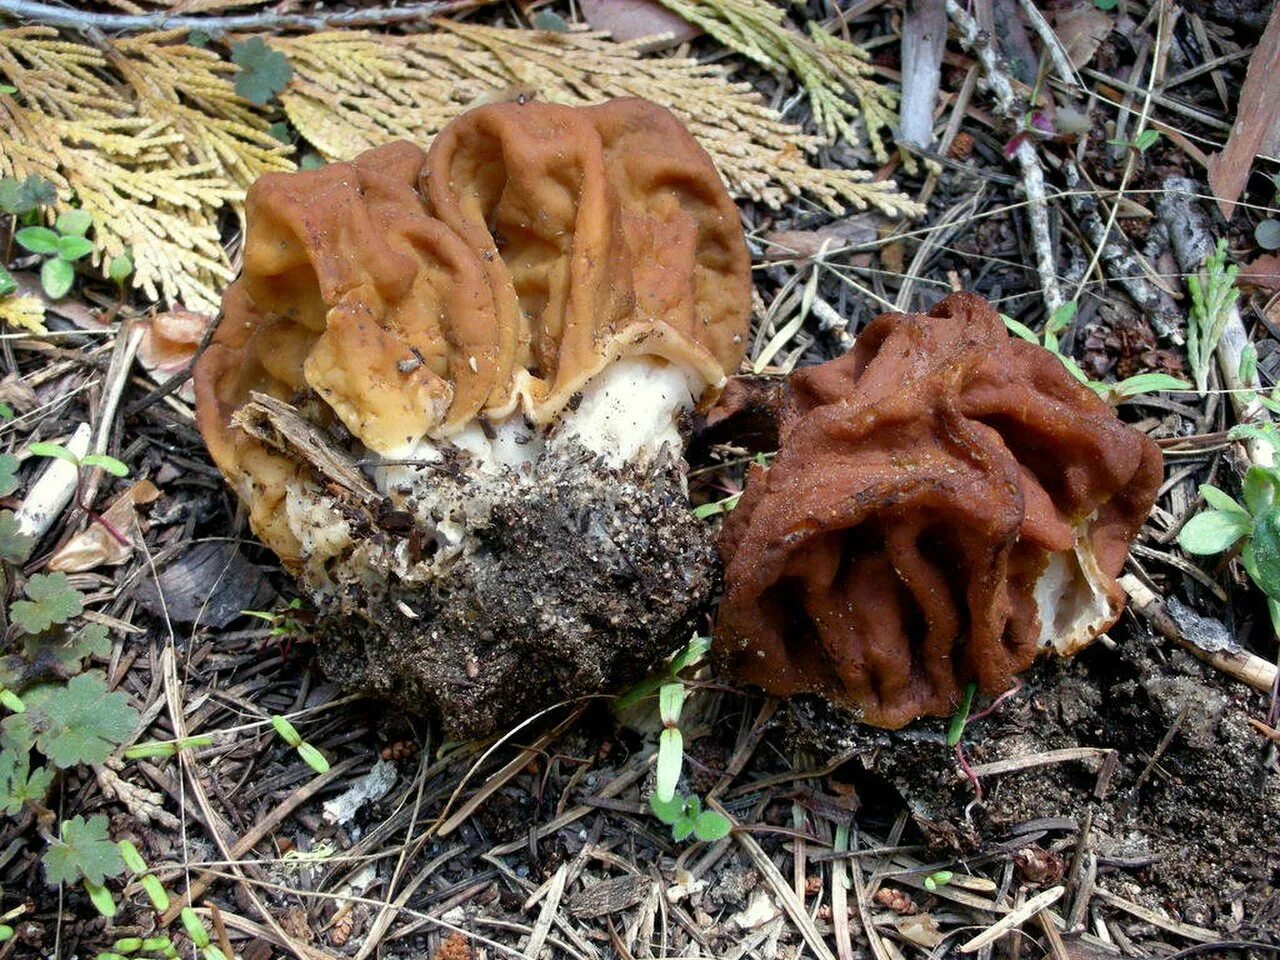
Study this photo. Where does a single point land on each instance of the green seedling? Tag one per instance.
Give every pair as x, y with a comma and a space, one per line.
62, 246
156, 749
289, 734
687, 819
1142, 142
939, 878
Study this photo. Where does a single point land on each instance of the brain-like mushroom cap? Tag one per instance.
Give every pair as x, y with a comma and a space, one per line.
413, 293
946, 501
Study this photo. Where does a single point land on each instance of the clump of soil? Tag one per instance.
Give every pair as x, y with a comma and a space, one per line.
1183, 813
573, 580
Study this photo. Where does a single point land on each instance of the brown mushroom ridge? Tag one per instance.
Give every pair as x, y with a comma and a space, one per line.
946, 502
412, 294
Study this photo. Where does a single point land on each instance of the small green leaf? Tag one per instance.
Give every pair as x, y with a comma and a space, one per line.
8, 88
1105, 5
156, 893
101, 898
6, 931
46, 449
682, 829
152, 750
941, 877
956, 730
20, 199
19, 785
1248, 364
74, 223
132, 859
1267, 234
264, 72
195, 929
68, 648
56, 277
1220, 499
7, 283
280, 131
83, 850
691, 654
670, 759
287, 731
1146, 139
1261, 555
8, 474
311, 161
710, 826
120, 267
1061, 318
117, 468
1213, 531
37, 240
668, 811
1147, 383
156, 944
550, 21
73, 248
670, 700
1020, 330
313, 757
1261, 485
51, 599
127, 945
12, 702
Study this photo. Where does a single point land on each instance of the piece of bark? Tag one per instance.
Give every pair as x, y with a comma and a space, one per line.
1257, 127
210, 584
924, 36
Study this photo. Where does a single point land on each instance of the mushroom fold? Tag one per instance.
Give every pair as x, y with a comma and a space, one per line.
420, 342
946, 502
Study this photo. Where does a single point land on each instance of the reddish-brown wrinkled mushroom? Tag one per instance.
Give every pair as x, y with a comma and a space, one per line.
946, 502
448, 387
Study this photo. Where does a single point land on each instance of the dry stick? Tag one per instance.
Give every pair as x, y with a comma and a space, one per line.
1057, 52
924, 37
979, 42
51, 16
1246, 667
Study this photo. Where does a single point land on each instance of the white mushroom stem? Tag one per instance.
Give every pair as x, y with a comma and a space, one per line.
50, 494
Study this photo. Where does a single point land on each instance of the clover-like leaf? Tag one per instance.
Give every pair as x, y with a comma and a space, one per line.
15, 546
74, 247
18, 784
710, 826
37, 240
51, 599
682, 829
69, 649
8, 474
263, 72
83, 851
73, 223
18, 198
81, 722
57, 276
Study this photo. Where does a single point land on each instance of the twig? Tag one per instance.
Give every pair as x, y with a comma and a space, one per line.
50, 494
1057, 52
1013, 919
49, 15
998, 82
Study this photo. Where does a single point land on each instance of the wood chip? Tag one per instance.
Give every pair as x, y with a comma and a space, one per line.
610, 896
1013, 919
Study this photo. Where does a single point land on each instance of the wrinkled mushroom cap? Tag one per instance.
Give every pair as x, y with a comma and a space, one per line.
946, 502
406, 295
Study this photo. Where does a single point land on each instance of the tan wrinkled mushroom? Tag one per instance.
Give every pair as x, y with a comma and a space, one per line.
448, 386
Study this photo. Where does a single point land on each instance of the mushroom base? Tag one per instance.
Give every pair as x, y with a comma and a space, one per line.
570, 579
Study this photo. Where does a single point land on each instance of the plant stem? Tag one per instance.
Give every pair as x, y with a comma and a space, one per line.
52, 16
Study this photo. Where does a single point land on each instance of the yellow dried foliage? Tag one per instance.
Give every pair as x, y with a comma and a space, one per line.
352, 90
148, 137
25, 313
830, 69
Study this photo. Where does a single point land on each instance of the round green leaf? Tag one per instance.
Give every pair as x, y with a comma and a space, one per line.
74, 223
668, 811
1213, 531
7, 283
1267, 234
120, 268
1262, 554
711, 826
37, 239
670, 759
73, 248
56, 276
681, 829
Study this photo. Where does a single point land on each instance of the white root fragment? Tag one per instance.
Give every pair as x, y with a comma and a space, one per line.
1006, 105
51, 493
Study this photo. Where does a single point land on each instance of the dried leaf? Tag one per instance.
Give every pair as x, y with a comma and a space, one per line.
1263, 271
1081, 27
95, 546
169, 343
636, 20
